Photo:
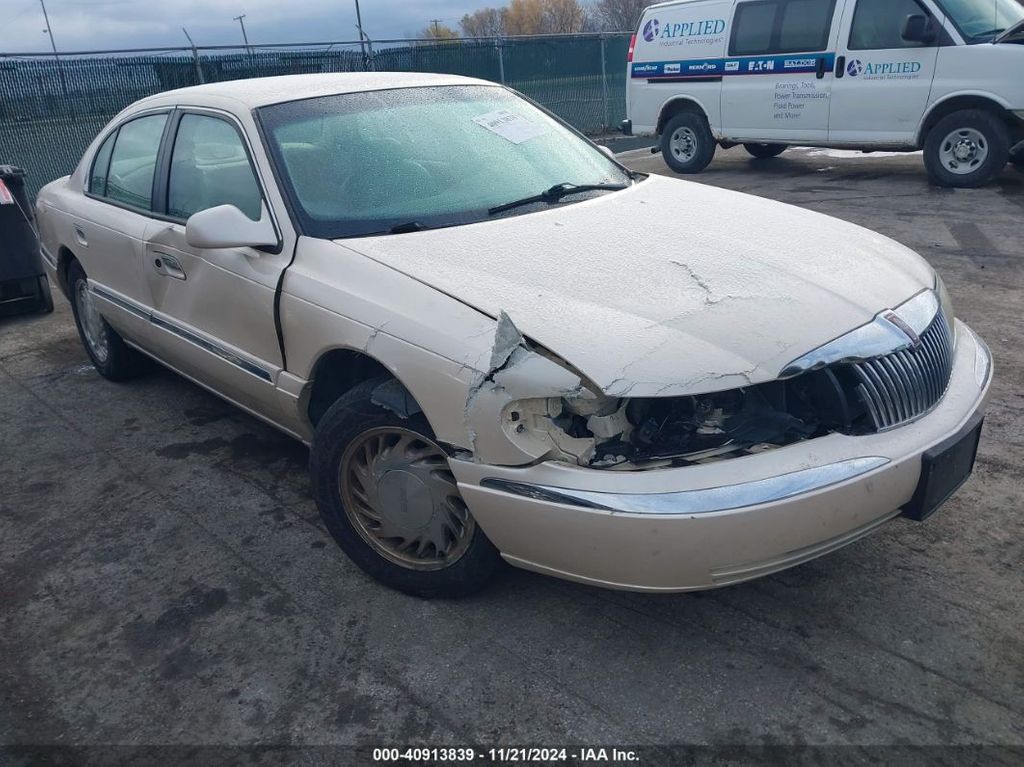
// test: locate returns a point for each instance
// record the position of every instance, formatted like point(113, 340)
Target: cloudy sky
point(105, 24)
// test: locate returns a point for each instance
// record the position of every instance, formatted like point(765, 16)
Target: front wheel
point(389, 499)
point(764, 151)
point(966, 149)
point(687, 144)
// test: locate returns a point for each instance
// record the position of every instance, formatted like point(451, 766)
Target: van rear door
point(778, 74)
point(883, 81)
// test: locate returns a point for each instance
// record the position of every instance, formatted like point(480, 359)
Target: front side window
point(781, 26)
point(210, 167)
point(133, 161)
point(878, 24)
point(364, 163)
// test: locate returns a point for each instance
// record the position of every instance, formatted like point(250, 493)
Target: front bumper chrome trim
point(703, 501)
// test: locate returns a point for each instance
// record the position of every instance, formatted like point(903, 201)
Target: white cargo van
point(945, 76)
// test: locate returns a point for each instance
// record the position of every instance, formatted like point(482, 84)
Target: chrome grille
point(900, 386)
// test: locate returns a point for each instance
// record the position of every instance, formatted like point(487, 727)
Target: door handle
point(168, 266)
point(840, 66)
point(820, 73)
point(80, 236)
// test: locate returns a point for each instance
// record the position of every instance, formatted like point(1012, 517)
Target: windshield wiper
point(554, 194)
point(1012, 29)
point(408, 226)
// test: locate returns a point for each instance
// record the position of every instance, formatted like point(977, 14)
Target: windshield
point(981, 20)
point(411, 158)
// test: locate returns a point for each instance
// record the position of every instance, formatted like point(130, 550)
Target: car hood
point(668, 287)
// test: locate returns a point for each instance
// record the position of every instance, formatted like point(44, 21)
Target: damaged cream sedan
point(500, 343)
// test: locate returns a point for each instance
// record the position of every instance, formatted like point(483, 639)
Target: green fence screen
point(52, 107)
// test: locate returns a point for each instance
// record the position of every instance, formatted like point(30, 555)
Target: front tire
point(687, 144)
point(110, 355)
point(966, 149)
point(387, 496)
point(764, 151)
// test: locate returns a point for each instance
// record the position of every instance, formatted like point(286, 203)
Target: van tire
point(764, 151)
point(342, 436)
point(982, 133)
point(687, 144)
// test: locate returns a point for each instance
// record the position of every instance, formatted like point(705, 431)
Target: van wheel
point(687, 144)
point(966, 149)
point(107, 351)
point(765, 151)
point(388, 498)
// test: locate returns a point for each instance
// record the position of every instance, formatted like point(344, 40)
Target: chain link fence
point(52, 107)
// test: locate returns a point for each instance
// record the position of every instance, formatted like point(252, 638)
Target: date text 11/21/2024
point(505, 754)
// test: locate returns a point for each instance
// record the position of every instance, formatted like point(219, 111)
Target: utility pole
point(56, 58)
point(435, 22)
point(195, 57)
point(363, 41)
point(240, 20)
point(49, 29)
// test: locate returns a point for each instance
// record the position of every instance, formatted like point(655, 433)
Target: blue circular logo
point(651, 30)
point(854, 68)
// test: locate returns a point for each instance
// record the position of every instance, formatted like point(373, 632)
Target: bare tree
point(437, 31)
point(486, 22)
point(619, 15)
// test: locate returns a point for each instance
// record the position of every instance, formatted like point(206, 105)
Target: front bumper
point(704, 526)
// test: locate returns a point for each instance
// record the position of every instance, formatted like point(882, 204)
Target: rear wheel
point(389, 499)
point(109, 354)
point(966, 149)
point(765, 151)
point(687, 144)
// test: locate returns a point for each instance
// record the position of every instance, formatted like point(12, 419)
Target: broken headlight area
point(641, 433)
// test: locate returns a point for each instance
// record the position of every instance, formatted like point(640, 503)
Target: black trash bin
point(23, 283)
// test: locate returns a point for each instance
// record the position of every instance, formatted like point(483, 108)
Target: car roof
point(262, 91)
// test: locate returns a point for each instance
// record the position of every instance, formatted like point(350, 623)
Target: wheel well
point(676, 106)
point(958, 103)
point(335, 373)
point(64, 259)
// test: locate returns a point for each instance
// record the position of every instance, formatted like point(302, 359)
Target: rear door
point(778, 74)
point(213, 309)
point(882, 82)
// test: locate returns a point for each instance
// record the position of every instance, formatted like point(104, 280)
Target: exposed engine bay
point(639, 433)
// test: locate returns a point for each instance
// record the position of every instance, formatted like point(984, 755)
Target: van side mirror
point(918, 29)
point(225, 226)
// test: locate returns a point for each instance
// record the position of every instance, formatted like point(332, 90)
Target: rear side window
point(781, 26)
point(133, 161)
point(877, 24)
point(210, 167)
point(101, 166)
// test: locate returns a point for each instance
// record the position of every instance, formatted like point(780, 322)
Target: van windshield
point(406, 159)
point(979, 21)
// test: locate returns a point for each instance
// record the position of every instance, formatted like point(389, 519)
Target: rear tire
point(687, 144)
point(110, 355)
point(966, 149)
point(385, 492)
point(764, 151)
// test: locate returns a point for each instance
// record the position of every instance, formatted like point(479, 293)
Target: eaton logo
point(651, 29)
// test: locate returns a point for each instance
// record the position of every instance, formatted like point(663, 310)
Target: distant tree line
point(544, 17)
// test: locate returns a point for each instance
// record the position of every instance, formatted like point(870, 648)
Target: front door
point(778, 76)
point(213, 309)
point(882, 80)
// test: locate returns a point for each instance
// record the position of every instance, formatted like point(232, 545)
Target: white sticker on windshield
point(510, 125)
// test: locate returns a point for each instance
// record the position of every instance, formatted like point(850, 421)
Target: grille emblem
point(895, 319)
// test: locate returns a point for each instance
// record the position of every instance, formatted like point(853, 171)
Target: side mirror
point(607, 150)
point(918, 29)
point(227, 227)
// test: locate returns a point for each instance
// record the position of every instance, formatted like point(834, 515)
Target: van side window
point(210, 167)
point(877, 24)
point(781, 26)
